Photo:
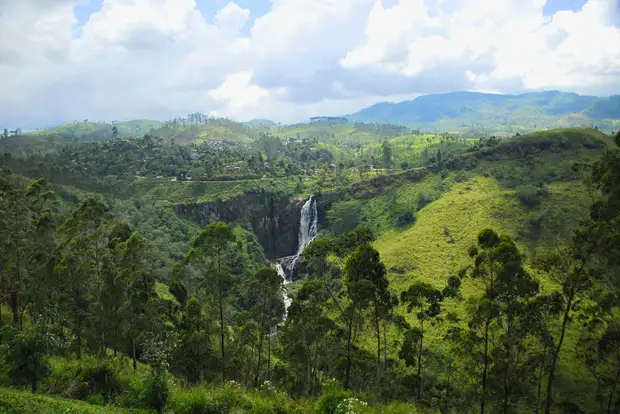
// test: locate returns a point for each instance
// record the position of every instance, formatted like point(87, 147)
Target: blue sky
point(288, 60)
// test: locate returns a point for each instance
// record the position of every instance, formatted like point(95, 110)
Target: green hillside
point(119, 259)
point(100, 130)
point(494, 113)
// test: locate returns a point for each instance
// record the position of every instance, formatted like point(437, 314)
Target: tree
point(269, 144)
point(367, 286)
point(265, 291)
point(138, 289)
point(114, 131)
point(26, 356)
point(195, 353)
point(507, 287)
point(210, 251)
point(83, 255)
point(426, 300)
point(5, 133)
point(566, 268)
point(386, 153)
point(305, 336)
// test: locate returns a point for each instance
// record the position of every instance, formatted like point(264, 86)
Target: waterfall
point(308, 230)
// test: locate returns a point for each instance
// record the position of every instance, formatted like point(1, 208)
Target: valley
point(254, 266)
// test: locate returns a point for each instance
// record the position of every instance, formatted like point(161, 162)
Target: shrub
point(530, 195)
point(27, 357)
point(82, 379)
point(332, 396)
point(155, 390)
point(488, 238)
point(405, 219)
point(424, 199)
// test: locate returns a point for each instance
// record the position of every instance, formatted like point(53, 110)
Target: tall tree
point(305, 336)
point(210, 251)
point(84, 253)
point(367, 286)
point(426, 300)
point(265, 291)
point(507, 288)
point(386, 153)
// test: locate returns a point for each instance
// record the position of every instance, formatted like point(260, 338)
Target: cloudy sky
point(288, 60)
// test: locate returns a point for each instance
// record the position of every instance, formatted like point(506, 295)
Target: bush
point(530, 195)
point(26, 357)
point(333, 395)
point(405, 219)
point(155, 390)
point(82, 379)
point(424, 199)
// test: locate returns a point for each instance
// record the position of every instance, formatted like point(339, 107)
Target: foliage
point(19, 402)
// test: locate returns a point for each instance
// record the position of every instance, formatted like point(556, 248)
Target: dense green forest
point(451, 272)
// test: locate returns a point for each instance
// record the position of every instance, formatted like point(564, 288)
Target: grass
point(435, 248)
point(167, 193)
point(14, 401)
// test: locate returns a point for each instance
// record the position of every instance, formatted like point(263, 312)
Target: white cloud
point(160, 58)
point(238, 92)
point(577, 51)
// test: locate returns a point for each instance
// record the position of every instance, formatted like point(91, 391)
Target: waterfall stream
point(308, 230)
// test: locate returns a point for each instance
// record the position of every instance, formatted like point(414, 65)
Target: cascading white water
point(308, 230)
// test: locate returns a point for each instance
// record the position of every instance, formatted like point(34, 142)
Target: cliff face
point(274, 219)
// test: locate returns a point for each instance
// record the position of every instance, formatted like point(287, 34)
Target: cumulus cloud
point(161, 58)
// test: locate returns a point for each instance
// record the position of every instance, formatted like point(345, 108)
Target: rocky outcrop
point(274, 219)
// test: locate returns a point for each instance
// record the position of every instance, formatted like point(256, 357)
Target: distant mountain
point(259, 122)
point(460, 111)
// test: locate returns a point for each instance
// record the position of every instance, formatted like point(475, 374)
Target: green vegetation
point(471, 112)
point(451, 274)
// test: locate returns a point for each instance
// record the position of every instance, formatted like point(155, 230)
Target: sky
point(289, 60)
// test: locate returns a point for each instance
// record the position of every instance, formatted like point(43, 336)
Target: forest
point(446, 273)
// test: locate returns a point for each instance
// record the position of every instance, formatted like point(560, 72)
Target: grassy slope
point(22, 402)
point(427, 254)
point(435, 247)
point(133, 127)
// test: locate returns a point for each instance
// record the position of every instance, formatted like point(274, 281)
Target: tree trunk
point(347, 377)
point(385, 347)
point(612, 392)
point(260, 353)
point(554, 361)
point(78, 338)
point(486, 365)
point(269, 357)
point(378, 331)
point(540, 375)
point(221, 309)
point(420, 359)
point(15, 308)
point(508, 346)
point(133, 355)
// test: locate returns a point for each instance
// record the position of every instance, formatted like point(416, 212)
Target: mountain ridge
point(458, 111)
